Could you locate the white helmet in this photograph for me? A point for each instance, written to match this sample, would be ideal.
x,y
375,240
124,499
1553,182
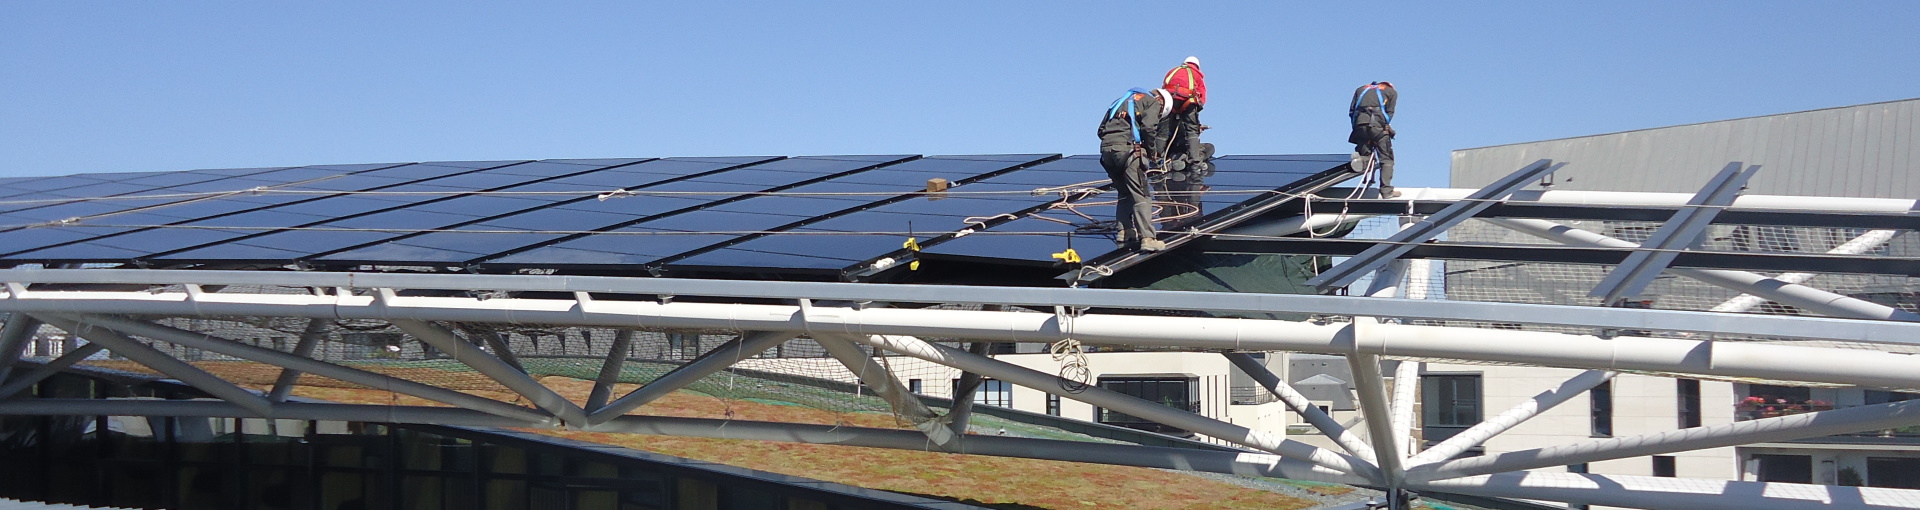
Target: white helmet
x,y
1193,60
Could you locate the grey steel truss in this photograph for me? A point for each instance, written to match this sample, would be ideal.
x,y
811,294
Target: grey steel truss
x,y
1392,247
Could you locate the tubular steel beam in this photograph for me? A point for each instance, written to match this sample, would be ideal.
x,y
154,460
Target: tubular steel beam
x,y
13,340
1327,426
1369,384
1688,493
1132,406
1765,430
888,387
610,370
747,346
963,393
1679,232
19,384
1869,241
1671,355
1816,300
1513,417
1829,262
1406,387
309,339
1398,244
518,381
153,358
574,313
308,365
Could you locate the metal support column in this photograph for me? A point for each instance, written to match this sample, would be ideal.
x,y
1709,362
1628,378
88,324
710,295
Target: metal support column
x,y
610,370
13,340
748,345
1327,426
518,381
963,393
309,339
888,387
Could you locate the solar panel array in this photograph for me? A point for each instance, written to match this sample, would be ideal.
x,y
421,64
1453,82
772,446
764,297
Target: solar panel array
x,y
815,215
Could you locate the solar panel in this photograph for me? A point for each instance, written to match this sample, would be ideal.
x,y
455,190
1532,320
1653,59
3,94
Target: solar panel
x,y
519,212
698,191
825,216
929,216
749,216
347,221
112,245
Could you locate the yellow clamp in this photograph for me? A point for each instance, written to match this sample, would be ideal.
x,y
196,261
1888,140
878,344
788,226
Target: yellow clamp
x,y
1069,256
913,245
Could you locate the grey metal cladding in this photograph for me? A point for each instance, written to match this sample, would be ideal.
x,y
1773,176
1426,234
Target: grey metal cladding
x,y
1852,151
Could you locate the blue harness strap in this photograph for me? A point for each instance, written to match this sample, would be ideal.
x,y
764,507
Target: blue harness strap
x,y
1353,110
1132,112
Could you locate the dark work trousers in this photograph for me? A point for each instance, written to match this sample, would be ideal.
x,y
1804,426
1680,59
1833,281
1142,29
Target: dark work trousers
x,y
1128,169
1369,136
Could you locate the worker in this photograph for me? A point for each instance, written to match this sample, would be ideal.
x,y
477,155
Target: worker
x,y
1372,114
1188,160
1132,140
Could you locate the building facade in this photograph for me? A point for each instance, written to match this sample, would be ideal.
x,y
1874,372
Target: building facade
x,y
1856,151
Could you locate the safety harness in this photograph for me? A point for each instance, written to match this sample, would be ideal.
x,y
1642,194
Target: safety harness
x,y
1130,112
1374,88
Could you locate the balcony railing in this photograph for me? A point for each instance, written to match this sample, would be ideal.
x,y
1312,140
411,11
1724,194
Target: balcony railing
x,y
1754,411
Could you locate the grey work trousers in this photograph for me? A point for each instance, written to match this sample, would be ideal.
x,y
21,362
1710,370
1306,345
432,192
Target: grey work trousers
x,y
1371,136
1128,169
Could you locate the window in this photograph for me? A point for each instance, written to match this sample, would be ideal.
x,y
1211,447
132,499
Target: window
x,y
995,393
1053,404
992,392
1887,397
916,386
1785,468
1893,472
1602,398
1450,404
1577,468
1689,402
1663,466
1179,392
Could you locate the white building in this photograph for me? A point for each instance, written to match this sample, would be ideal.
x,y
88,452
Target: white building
x,y
1856,151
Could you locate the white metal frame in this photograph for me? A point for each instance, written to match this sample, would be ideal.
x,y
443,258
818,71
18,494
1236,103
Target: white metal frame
x,y
103,313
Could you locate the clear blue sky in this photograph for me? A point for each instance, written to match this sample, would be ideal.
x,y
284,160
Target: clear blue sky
x,y
149,86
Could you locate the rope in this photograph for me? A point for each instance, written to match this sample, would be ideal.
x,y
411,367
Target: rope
x,y
1366,179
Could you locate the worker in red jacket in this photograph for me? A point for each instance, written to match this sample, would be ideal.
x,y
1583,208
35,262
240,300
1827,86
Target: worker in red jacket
x,y
1188,160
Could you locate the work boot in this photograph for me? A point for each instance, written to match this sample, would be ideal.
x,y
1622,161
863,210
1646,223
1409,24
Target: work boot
x,y
1388,192
1152,245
